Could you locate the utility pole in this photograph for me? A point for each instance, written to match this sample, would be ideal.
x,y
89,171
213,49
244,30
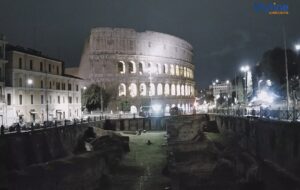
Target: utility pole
x,y
286,73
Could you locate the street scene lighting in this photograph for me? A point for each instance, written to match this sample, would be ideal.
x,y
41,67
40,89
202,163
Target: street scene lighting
x,y
245,68
297,47
29,81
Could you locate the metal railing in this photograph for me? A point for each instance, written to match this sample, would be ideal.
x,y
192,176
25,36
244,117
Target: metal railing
x,y
278,114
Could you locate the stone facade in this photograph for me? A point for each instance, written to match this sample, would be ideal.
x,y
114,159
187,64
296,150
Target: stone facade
x,y
139,68
3,62
37,88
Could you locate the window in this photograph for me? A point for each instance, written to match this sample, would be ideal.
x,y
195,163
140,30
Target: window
x,y
30,64
130,67
42,84
58,99
49,68
77,87
69,86
50,85
20,63
70,100
159,89
50,99
57,69
152,89
57,86
20,99
41,66
31,98
141,68
8,99
42,99
121,67
143,89
77,100
122,90
20,82
132,89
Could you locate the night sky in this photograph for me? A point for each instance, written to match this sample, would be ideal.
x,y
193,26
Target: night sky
x,y
224,34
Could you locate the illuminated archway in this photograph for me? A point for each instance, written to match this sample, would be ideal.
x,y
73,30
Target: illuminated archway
x,y
131,67
159,89
177,70
172,71
122,89
182,90
143,89
121,67
167,89
133,109
173,90
178,89
141,69
152,90
132,90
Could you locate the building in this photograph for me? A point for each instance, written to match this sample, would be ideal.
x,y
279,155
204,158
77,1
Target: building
x,y
139,68
37,89
221,88
3,62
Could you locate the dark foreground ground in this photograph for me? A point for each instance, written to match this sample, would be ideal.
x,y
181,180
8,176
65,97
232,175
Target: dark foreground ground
x,y
141,168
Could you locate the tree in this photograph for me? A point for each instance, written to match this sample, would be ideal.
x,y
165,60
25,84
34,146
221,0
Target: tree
x,y
91,97
272,67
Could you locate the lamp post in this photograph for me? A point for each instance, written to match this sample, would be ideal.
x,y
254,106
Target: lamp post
x,y
29,83
245,70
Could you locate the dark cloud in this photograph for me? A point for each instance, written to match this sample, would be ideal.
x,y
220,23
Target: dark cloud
x,y
224,34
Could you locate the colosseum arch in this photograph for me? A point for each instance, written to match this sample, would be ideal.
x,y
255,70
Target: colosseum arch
x,y
133,109
122,89
165,69
177,70
143,89
131,67
152,89
159,68
159,89
182,90
141,69
178,89
172,72
132,90
173,90
121,67
167,89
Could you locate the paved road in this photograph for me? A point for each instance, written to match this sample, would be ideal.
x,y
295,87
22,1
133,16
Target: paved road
x,y
141,169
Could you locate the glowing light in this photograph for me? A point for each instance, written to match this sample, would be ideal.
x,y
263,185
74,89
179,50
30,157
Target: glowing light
x,y
30,81
297,47
156,108
264,96
245,68
269,82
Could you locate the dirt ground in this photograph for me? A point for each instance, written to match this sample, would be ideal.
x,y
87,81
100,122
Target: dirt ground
x,y
141,168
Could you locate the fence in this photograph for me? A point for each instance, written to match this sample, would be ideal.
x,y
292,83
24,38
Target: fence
x,y
279,114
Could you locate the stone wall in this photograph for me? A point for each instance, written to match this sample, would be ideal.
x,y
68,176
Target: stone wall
x,y
275,141
38,146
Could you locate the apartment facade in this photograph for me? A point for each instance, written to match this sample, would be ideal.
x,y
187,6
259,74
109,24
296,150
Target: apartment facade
x,y
37,89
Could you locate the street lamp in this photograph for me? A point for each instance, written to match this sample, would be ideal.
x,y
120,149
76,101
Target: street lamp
x,y
297,47
245,70
29,82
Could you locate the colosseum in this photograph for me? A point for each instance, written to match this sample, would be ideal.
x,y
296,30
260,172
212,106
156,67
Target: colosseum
x,y
139,68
